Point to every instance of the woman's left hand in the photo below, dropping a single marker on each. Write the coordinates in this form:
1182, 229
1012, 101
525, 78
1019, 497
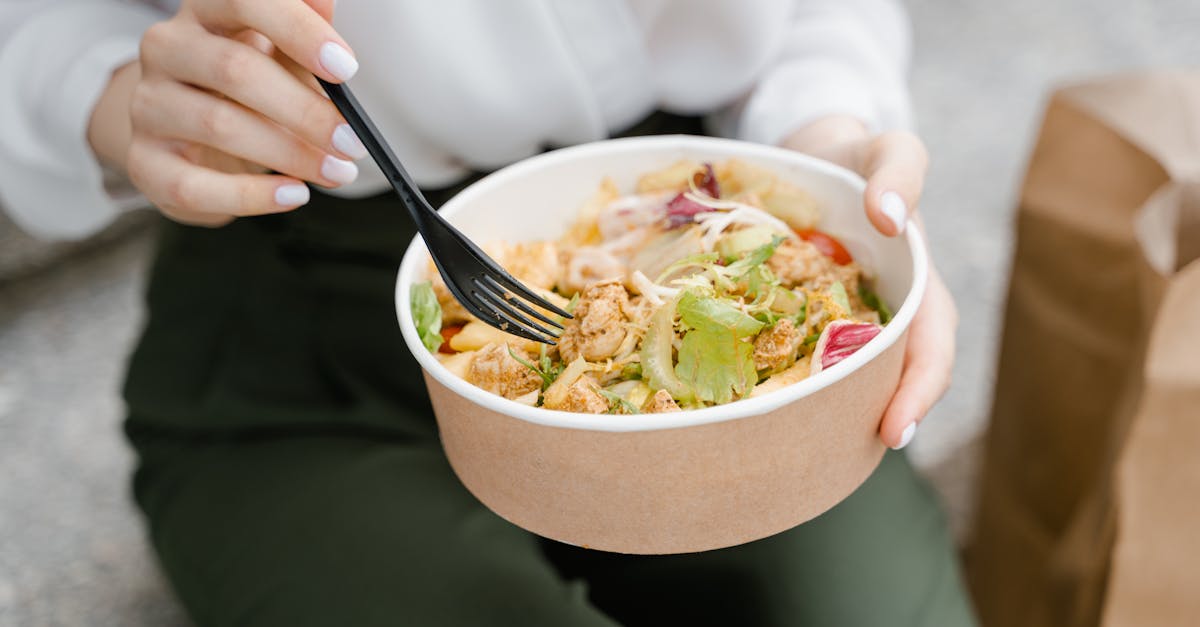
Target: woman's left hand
894, 166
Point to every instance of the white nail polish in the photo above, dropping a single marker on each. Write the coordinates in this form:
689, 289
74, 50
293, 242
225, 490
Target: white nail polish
347, 143
906, 436
339, 171
338, 61
291, 195
892, 206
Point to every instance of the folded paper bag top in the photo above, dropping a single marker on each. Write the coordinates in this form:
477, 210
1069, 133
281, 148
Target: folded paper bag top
685, 481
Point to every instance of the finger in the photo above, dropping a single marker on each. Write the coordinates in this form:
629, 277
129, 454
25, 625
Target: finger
294, 27
246, 75
183, 189
894, 166
928, 362
177, 111
324, 8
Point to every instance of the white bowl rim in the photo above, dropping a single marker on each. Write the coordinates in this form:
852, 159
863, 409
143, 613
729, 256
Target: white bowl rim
755, 406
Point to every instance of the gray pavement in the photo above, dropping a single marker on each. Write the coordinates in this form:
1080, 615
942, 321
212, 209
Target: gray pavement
72, 549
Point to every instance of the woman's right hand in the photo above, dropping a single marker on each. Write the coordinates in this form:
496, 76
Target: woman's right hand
223, 92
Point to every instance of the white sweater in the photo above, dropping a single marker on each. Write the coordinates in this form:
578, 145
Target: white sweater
457, 85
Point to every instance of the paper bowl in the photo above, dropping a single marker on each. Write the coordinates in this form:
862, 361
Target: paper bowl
686, 481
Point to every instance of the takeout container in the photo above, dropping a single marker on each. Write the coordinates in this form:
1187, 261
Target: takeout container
677, 482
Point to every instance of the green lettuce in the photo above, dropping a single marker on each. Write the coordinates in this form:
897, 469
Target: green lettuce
872, 300
716, 356
427, 315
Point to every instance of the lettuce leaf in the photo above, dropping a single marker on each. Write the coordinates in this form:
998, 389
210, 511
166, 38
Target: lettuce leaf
427, 315
872, 300
838, 292
716, 356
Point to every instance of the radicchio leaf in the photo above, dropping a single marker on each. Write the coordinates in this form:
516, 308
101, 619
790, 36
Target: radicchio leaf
681, 210
706, 181
841, 339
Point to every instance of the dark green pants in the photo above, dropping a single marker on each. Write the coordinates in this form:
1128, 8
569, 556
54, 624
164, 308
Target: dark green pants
291, 473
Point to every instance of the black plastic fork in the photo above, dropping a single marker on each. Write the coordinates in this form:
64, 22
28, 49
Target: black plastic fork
475, 279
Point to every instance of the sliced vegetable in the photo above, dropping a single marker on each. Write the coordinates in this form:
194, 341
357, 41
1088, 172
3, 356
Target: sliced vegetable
827, 244
617, 404
427, 315
682, 210
705, 180
837, 292
447, 334
556, 393
716, 355
841, 339
872, 300
658, 365
733, 245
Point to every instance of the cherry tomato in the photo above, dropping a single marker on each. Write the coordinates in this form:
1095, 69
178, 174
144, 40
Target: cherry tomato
827, 244
447, 333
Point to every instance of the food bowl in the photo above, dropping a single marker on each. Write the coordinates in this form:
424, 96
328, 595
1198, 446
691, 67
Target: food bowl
672, 482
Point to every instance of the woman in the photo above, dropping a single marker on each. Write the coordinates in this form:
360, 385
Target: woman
290, 470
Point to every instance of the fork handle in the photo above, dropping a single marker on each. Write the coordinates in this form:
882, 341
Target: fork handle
379, 150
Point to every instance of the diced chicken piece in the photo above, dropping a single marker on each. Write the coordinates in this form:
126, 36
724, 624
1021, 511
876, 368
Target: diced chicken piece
599, 326
583, 266
660, 403
583, 397
495, 370
799, 262
775, 348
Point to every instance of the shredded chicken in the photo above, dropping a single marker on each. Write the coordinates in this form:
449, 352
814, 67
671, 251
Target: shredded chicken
598, 328
775, 348
660, 402
495, 370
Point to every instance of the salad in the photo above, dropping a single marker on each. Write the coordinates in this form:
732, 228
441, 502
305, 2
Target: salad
707, 284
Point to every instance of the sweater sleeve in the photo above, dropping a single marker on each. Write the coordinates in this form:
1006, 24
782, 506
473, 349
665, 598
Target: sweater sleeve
56, 57
839, 57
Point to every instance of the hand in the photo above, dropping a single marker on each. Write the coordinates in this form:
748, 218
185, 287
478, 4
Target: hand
222, 93
894, 165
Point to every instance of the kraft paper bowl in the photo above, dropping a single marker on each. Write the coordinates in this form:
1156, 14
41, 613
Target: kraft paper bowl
678, 482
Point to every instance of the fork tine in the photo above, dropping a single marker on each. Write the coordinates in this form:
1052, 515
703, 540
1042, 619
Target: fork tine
499, 275
509, 325
498, 290
505, 306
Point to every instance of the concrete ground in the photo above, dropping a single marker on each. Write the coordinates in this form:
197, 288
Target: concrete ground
72, 550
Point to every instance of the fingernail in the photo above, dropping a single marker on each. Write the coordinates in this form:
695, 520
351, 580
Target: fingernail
338, 170
906, 436
291, 195
347, 143
338, 61
892, 206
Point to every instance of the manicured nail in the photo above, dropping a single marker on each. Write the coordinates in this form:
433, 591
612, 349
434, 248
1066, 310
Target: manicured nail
906, 436
892, 206
291, 195
347, 143
338, 171
338, 61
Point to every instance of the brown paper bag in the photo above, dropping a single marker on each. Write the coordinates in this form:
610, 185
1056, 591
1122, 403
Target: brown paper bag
1090, 495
